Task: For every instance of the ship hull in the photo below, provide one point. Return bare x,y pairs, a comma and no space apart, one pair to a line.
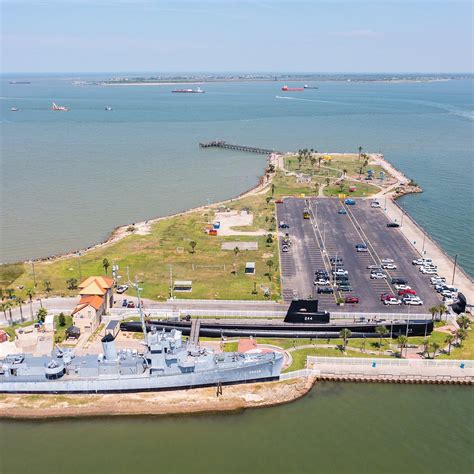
264,371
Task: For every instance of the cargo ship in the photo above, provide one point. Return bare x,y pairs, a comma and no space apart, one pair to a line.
166,362
188,91
292,89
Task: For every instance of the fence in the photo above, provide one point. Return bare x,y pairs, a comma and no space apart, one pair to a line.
216,313
382,316
217,302
296,374
369,362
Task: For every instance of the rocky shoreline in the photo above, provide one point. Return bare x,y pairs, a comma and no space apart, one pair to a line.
179,402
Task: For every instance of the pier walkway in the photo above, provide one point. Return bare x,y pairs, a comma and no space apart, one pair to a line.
230,146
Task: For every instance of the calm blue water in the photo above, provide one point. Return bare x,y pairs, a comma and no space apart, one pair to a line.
69,178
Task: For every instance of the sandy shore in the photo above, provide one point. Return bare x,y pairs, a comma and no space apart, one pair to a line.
201,400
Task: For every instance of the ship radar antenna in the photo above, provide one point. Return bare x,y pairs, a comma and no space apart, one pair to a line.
140,308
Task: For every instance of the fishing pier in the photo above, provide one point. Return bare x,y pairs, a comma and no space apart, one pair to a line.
230,146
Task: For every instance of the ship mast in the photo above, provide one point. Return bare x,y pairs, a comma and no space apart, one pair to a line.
140,309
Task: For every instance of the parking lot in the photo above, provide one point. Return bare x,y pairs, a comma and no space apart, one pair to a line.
330,234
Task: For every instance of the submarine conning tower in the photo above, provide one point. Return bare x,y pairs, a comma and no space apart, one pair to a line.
108,344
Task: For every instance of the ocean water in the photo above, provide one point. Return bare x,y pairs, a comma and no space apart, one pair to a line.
67,179
336,428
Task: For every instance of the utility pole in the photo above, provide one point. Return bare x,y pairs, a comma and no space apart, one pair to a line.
454,269
171,281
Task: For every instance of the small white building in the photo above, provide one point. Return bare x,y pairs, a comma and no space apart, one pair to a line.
49,323
250,268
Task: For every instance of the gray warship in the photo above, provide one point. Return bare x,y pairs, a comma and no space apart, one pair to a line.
166,362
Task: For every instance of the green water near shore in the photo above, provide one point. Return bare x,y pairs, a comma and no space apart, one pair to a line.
350,428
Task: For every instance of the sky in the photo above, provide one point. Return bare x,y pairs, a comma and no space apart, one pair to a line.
236,35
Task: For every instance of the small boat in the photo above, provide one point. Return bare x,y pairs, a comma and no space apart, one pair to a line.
14,109
109,108
310,87
292,89
188,91
59,108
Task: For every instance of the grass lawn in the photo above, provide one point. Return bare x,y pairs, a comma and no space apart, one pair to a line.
10,330
9,272
287,186
362,189
465,352
149,258
231,346
60,331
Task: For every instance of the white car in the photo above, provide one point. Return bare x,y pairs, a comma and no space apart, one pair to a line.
387,260
422,261
122,289
392,301
413,301
322,282
389,266
437,280
373,267
429,271
377,276
402,287
448,293
285,248
375,204
340,271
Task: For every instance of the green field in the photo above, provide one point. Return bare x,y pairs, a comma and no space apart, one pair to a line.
215,273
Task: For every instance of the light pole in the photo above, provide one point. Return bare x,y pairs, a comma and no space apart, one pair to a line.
401,221
79,264
34,274
423,246
454,269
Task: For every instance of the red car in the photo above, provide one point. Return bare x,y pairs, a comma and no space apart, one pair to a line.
130,304
279,201
386,296
351,299
408,291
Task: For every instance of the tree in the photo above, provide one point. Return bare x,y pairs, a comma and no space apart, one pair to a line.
105,264
62,319
8,305
461,334
403,344
193,244
47,286
300,159
10,292
236,251
268,199
463,321
319,162
344,335
269,264
360,151
381,331
273,189
327,181
426,343
30,292
344,172
71,283
269,239
41,314
4,307
435,346
20,302
313,161
449,341
433,310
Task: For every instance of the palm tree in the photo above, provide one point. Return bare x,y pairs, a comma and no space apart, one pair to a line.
461,334
268,200
105,264
71,283
381,331
327,181
360,151
47,286
269,265
4,307
10,292
30,292
20,302
433,310
319,162
300,159
41,314
435,346
403,343
426,343
344,172
345,334
8,307
463,321
192,244
313,161
449,341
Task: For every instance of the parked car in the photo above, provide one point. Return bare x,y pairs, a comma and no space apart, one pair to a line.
325,290
279,201
386,296
375,204
389,266
373,267
285,248
361,248
124,303
340,271
283,225
344,288
121,289
437,279
406,291
342,211
349,202
387,260
422,261
429,271
377,276
393,224
399,281
351,299
321,274
412,301
392,302
335,259
401,286
448,294
130,304
322,282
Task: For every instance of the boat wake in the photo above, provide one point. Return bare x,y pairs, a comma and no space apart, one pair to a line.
306,100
